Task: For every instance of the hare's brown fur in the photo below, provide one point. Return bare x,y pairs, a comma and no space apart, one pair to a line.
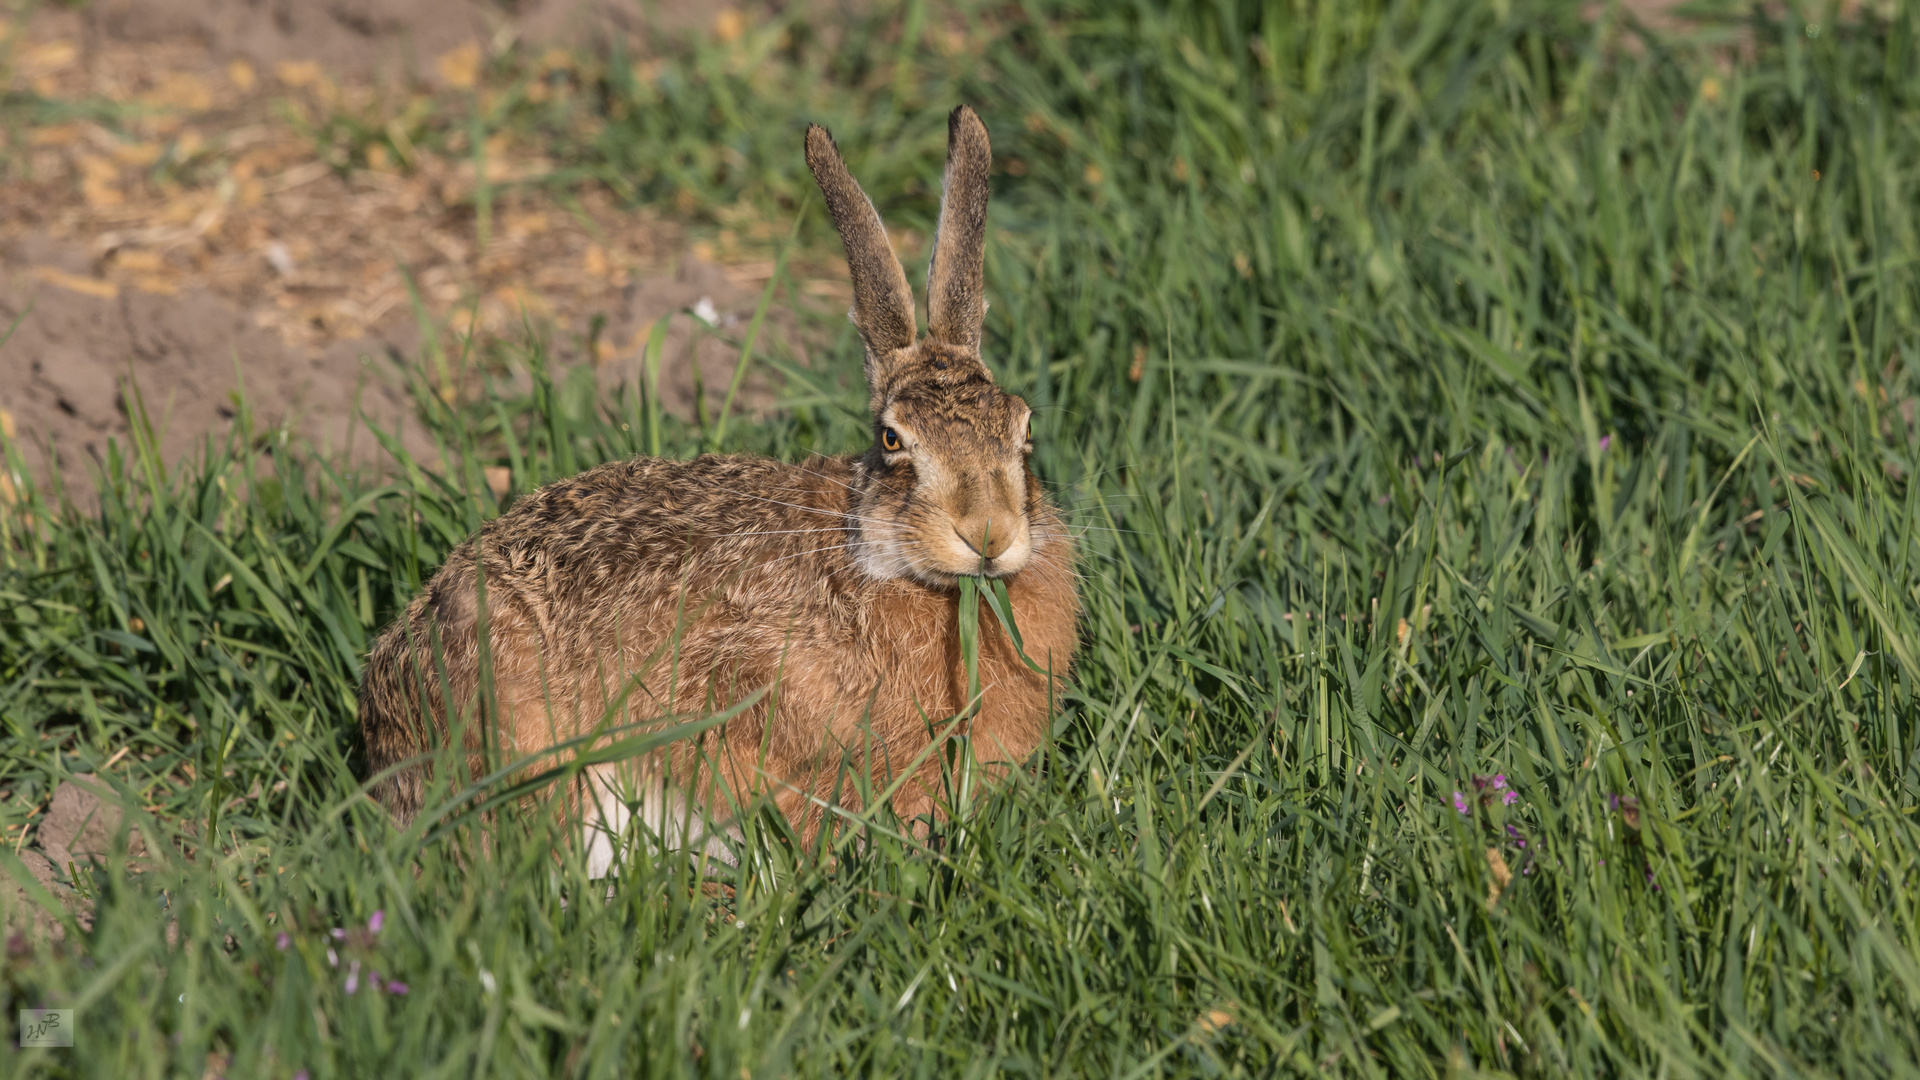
690,586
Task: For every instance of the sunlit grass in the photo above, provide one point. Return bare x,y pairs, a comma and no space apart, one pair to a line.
1444,391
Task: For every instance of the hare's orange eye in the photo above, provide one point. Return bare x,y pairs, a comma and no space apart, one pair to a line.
890,440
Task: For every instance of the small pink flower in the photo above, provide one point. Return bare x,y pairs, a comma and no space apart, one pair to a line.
1499,781
1605,441
1460,803
397,988
282,940
1508,798
379,919
333,958
353,977
301,1075
339,934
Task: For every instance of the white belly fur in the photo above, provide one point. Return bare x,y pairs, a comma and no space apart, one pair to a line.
665,821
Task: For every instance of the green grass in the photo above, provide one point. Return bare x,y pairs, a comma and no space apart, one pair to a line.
1446,391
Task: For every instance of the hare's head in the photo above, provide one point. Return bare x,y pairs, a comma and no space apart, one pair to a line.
945,490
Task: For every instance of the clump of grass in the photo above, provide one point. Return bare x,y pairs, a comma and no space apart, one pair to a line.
1494,453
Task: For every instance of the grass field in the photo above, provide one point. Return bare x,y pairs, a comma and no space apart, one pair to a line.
1494,445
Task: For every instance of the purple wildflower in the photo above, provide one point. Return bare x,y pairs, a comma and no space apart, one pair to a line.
1605,441
353,977
1519,838
397,988
333,958
379,919
339,934
1460,803
1508,798
1499,781
282,940
301,1075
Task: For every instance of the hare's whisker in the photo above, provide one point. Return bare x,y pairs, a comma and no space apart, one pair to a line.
824,476
1088,511
1053,559
1099,494
1089,477
773,532
810,551
843,514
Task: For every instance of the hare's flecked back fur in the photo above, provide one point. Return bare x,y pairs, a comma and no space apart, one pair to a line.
682,588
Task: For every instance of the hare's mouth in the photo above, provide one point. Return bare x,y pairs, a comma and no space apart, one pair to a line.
963,557
940,560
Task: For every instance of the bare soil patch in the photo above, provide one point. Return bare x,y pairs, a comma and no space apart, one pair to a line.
83,827
205,240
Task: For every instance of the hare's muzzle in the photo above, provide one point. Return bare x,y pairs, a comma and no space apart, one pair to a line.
991,535
994,545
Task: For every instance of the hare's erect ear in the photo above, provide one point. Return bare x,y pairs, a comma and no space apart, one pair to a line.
882,301
956,304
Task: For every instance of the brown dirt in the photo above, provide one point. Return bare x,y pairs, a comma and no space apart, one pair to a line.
387,38
82,824
81,827
206,244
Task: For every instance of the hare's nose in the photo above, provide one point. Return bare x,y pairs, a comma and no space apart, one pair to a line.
988,542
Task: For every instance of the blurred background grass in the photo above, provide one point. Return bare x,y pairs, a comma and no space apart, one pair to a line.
1493,434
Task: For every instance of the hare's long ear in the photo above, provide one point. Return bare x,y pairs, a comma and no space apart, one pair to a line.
882,301
956,302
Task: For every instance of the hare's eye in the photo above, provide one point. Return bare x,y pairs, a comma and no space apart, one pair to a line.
890,440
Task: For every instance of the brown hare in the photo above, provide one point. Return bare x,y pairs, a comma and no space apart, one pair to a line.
830,588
